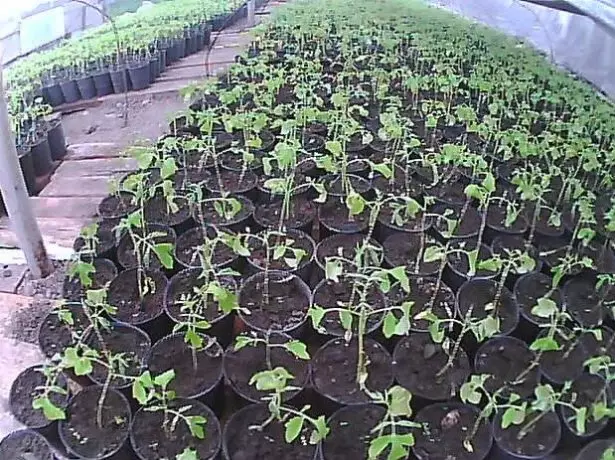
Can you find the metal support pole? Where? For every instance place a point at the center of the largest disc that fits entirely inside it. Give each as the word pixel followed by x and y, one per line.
pixel 251 12
pixel 15 195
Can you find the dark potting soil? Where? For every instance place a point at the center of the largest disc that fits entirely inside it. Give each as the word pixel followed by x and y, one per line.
pixel 115 206
pixel 479 295
pixel 460 264
pixel 182 286
pixel 186 248
pixel 243 442
pixel 333 184
pixel 538 442
pixel 291 239
pixel 105 238
pixel 302 211
pixel 240 365
pixel 105 272
pixel 172 352
pixel 25 389
pixel 593 451
pixel 352 431
pixel 544 227
pixel 496 219
pixel 506 359
pixel 602 257
pixel 531 287
pixel 80 431
pixel 152 439
pixel 565 364
pixel 132 342
pixel 329 294
pixel 124 295
pixel 25 445
pixel 334 370
pixel 126 251
pixel 585 303
pixel 403 249
pixel 603 345
pixel 285 309
pixel 346 245
pixel 585 391
pixel 413 225
pixel 157 210
pixel 466 227
pixel 450 193
pixel 232 181
pixel 211 216
pixel 420 366
pixel 54 336
pixel 552 252
pixel 404 184
pixel 446 427
pixel 334 214
pixel 422 291
pixel 235 161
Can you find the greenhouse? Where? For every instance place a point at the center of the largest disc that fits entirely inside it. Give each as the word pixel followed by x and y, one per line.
pixel 382 233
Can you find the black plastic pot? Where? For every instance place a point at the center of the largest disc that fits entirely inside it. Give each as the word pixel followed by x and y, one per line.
pixel 595 449
pixel 86 87
pixel 139 75
pixel 103 84
pixel 52 94
pixel 538 443
pixel 154 69
pixel 70 91
pixel 119 80
pixel 180 45
pixel 162 52
pixel 56 140
pixel 26 444
pixel 41 157
pixel 27 169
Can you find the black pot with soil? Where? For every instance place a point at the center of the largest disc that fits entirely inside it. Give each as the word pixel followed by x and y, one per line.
pixel 424 368
pixel 241 363
pixel 56 140
pixel 116 206
pixel 275 301
pixel 27 169
pixel 240 441
pixel 459 269
pixel 88 436
pixel 180 298
pixel 126 251
pixel 105 272
pixel 41 157
pixel 567 363
pixel 70 91
pixel 152 439
pixel 198 372
pixel 52 94
pixel 26 444
pixel 120 80
pixel 347 246
pixel 190 248
pixel 334 372
pixel 138 297
pixel 139 73
pixel 335 218
pixel 103 83
pixel 237 222
pixel 86 87
pixel 585 392
pixel 156 210
pixel 536 438
pixel 301 215
pixel 447 428
pixel 595 450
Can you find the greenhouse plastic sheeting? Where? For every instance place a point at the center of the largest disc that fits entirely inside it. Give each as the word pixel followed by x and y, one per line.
pixel 582 44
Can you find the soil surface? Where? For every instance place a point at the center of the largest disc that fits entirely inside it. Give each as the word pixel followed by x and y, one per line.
pixel 25 444
pixel 537 442
pixel 124 295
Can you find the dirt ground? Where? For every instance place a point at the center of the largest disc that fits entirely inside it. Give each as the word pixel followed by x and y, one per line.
pixel 148 118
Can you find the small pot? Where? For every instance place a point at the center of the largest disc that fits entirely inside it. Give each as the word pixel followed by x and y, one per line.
pixel 595 449
pixel 52 94
pixel 25 444
pixel 271 314
pixel 93 442
pixel 187 253
pixel 27 169
pixel 56 140
pixel 86 87
pixel 120 80
pixel 139 75
pixel 41 157
pixel 539 443
pixel 116 206
pixel 103 84
pixel 70 91
pixel 587 388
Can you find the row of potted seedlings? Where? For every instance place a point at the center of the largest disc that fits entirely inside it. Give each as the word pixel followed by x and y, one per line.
pixel 378 236
pixel 108 60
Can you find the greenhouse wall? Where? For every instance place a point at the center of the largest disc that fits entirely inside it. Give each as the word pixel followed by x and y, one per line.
pixel 574 42
pixel 45 25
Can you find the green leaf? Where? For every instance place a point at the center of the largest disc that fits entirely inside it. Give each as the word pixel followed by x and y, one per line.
pixel 514 415
pixel 168 168
pixel 383 169
pixel 139 392
pixel 293 428
pixel 544 308
pixel 242 341
pixel 493 264
pixel 196 424
pixel 389 325
pixel 162 380
pixel 489 183
pixel 580 420
pixel 377 446
pixel 316 313
pixel 399 273
pixel 297 348
pixel 346 319
pixel 399 401
pixel 321 430
pixel 333 270
pixel 468 393
pixel 50 410
pixel 355 203
pixel 433 253
pixel 164 252
pixel 544 344
pixel 187 454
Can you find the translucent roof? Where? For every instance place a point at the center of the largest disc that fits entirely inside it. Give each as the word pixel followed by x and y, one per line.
pixel 576 34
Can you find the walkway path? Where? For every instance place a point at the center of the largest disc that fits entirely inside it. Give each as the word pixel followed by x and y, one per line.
pixel 96 141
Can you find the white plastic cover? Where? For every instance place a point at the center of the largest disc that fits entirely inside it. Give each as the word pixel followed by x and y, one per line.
pixel 583 44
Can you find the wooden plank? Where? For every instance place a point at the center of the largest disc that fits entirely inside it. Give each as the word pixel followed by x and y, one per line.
pixel 95 167
pixel 93 150
pixel 57 231
pixel 77 186
pixel 67 207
